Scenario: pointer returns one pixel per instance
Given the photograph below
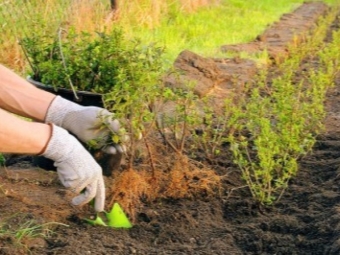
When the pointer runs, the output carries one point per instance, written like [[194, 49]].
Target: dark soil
[[305, 221]]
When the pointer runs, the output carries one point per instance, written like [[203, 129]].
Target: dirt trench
[[305, 221]]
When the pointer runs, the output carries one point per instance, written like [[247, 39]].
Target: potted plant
[[89, 68], [77, 66]]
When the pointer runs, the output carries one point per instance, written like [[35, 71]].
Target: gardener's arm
[[20, 136], [76, 168], [19, 96]]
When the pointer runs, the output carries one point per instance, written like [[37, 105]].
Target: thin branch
[[150, 156], [64, 64]]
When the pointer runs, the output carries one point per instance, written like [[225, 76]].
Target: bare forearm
[[20, 97], [20, 136]]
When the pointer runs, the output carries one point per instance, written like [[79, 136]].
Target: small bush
[[93, 62]]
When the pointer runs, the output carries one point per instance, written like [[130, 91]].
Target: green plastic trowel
[[116, 218]]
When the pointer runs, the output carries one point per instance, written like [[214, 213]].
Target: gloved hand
[[86, 122], [76, 168]]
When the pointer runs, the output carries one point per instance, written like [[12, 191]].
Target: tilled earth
[[305, 221]]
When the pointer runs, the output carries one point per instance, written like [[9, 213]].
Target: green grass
[[18, 228], [203, 31], [234, 21]]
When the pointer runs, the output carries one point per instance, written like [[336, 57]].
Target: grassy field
[[199, 26], [233, 21]]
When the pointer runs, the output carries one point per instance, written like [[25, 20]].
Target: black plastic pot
[[85, 98], [108, 162]]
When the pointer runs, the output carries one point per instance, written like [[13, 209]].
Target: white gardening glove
[[76, 168], [85, 122]]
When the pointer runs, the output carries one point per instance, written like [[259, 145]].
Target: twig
[[236, 188], [150, 156], [64, 64], [26, 56]]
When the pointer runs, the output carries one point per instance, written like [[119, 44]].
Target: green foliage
[[211, 130], [125, 72], [136, 92], [281, 119], [277, 135], [90, 62], [176, 125], [2, 160]]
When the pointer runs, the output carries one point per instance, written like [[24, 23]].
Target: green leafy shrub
[[283, 115], [126, 72], [90, 62]]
